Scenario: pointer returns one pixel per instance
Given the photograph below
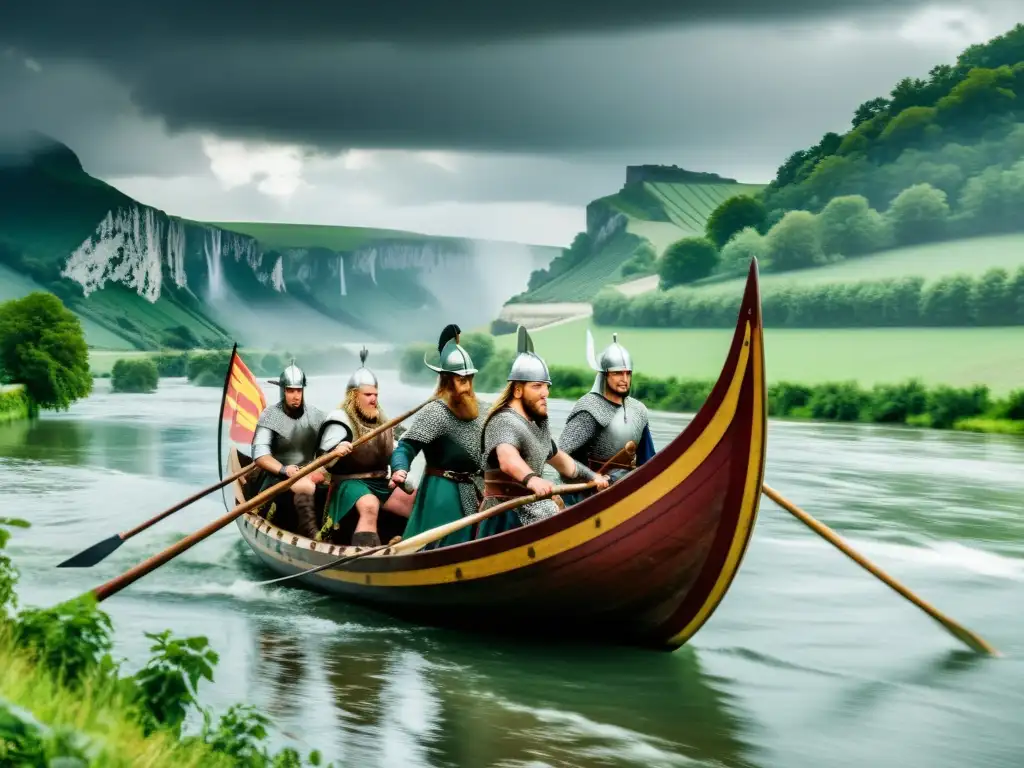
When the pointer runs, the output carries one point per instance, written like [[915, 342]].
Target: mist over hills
[[142, 278]]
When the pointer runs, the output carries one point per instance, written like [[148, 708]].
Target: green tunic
[[369, 457], [450, 443]]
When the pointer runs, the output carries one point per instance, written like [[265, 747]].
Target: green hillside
[[628, 230], [139, 278], [282, 235], [971, 256]]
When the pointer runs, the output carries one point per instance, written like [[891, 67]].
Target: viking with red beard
[[448, 432]]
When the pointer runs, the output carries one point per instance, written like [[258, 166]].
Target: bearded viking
[[447, 431], [517, 444], [607, 417], [284, 440], [359, 480]]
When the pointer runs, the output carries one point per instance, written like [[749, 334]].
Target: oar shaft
[[422, 539], [185, 502], [835, 540], [118, 583]]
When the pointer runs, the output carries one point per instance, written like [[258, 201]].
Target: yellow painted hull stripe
[[748, 509], [569, 538]]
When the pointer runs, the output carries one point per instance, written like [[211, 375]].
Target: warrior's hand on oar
[[115, 585]]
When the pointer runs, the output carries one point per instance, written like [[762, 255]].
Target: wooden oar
[[115, 585], [959, 632], [103, 549], [421, 540]]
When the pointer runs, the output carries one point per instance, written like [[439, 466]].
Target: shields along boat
[[644, 562]]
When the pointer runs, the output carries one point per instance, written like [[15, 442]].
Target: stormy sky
[[499, 119]]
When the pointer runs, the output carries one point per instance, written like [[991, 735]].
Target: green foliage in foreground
[[138, 375], [63, 696], [911, 403]]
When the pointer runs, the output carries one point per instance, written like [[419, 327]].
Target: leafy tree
[[794, 242], [982, 94], [42, 346], [993, 200], [745, 245], [870, 109], [918, 214], [687, 260], [848, 225], [732, 215], [991, 301]]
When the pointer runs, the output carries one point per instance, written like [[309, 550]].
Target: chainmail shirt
[[533, 441]]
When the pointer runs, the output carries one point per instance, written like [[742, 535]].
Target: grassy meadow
[[955, 356], [274, 235]]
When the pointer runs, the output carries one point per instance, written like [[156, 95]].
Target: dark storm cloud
[[532, 75], [56, 26]]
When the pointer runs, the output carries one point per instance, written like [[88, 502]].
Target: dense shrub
[[687, 260], [732, 216], [795, 243], [138, 375], [848, 226], [918, 214]]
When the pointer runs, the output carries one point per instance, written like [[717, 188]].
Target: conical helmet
[[615, 357], [454, 359], [363, 376], [528, 365], [291, 377]]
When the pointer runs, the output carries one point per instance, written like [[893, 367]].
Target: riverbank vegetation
[[909, 402], [42, 348], [14, 404], [140, 375], [64, 697]]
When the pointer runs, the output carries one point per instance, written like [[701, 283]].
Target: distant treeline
[[208, 368], [993, 299], [909, 403]]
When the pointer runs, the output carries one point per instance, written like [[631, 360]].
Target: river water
[[808, 662]]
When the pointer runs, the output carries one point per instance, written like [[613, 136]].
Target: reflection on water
[[808, 661], [419, 698]]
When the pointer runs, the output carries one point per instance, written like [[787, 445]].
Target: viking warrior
[[517, 444], [359, 480], [447, 431], [606, 418], [284, 440]]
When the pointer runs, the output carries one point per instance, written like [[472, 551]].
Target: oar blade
[[94, 554]]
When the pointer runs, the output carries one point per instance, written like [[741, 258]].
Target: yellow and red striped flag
[[243, 400]]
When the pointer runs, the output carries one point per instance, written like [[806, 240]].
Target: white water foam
[[619, 742], [943, 555]]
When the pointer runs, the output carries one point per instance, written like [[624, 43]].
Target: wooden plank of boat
[[645, 562]]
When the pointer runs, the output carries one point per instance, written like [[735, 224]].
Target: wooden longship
[[644, 562]]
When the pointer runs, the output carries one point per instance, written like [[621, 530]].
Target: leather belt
[[596, 464], [450, 474], [362, 475], [498, 485]]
